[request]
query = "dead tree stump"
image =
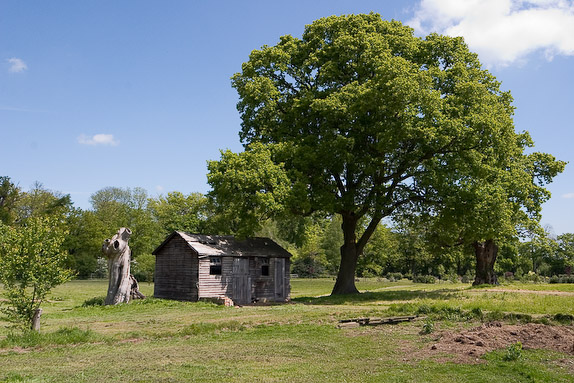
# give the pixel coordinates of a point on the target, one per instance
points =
(122, 285)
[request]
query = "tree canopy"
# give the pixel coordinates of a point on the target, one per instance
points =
(31, 264)
(361, 118)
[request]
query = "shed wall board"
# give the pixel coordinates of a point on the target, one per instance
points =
(176, 272)
(215, 286)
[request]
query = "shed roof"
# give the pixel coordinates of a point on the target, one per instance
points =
(228, 246)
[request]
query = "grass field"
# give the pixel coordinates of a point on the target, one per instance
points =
(167, 341)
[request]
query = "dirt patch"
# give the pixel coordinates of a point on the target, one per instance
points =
(468, 346)
(17, 350)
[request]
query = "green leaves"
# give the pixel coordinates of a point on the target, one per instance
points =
(361, 118)
(31, 264)
(252, 185)
(177, 211)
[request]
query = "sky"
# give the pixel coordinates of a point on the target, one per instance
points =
(138, 93)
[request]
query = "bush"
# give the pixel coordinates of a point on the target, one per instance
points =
(96, 301)
(561, 279)
(143, 268)
(424, 279)
(143, 276)
(453, 277)
(531, 277)
(428, 327)
(394, 277)
(513, 352)
(307, 267)
(563, 318)
(468, 277)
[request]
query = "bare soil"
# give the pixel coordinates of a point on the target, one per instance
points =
(467, 346)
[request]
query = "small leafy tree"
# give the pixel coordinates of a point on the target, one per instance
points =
(31, 264)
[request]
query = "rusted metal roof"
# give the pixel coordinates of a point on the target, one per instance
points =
(228, 246)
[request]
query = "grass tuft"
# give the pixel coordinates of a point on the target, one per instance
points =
(563, 318)
(212, 328)
(96, 301)
(62, 336)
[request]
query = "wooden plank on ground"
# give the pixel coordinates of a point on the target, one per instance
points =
(355, 322)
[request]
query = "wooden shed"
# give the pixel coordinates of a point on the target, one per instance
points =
(192, 267)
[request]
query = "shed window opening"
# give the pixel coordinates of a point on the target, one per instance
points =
(215, 266)
(265, 267)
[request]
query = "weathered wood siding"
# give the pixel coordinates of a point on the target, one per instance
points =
(215, 286)
(176, 271)
(264, 287)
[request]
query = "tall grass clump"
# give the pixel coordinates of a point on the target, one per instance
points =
(65, 335)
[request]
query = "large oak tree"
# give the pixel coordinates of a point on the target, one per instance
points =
(361, 118)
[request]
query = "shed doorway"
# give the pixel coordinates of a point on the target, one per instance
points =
(241, 281)
(280, 279)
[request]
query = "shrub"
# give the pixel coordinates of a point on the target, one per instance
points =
(468, 277)
(424, 279)
(477, 312)
(96, 301)
(308, 267)
(394, 277)
(453, 277)
(561, 279)
(428, 327)
(564, 318)
(513, 352)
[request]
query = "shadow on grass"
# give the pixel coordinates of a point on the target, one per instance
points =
(377, 296)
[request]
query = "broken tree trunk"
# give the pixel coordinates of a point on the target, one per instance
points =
(122, 285)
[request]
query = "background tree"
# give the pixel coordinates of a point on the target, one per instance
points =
(497, 206)
(42, 202)
(380, 254)
(31, 264)
(362, 119)
(8, 196)
(565, 254)
(177, 211)
(115, 207)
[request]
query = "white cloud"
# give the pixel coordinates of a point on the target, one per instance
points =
(568, 195)
(16, 65)
(98, 139)
(502, 32)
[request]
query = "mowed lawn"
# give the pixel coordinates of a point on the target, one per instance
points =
(168, 341)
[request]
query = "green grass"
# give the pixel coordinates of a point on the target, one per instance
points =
(168, 341)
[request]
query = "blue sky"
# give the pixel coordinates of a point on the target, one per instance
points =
(138, 94)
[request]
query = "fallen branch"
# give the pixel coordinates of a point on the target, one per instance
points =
(356, 322)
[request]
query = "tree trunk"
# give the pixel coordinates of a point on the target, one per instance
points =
(345, 283)
(135, 289)
(122, 285)
(36, 320)
(486, 253)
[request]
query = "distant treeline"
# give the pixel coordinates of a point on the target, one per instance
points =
(396, 249)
